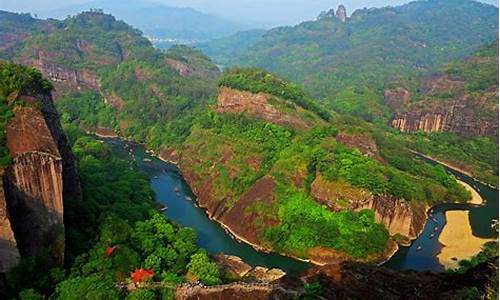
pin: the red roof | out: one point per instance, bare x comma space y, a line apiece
141, 275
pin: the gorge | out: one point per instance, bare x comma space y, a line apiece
165, 178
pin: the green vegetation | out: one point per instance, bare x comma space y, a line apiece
478, 155
306, 225
257, 81
489, 253
117, 213
16, 80
338, 61
141, 86
88, 110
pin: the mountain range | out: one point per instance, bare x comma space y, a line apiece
164, 24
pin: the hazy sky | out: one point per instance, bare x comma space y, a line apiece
273, 11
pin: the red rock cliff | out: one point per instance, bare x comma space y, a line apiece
41, 176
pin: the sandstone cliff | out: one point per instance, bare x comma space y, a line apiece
41, 176
464, 115
399, 216
462, 98
9, 253
266, 107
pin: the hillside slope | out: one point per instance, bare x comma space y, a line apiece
165, 23
99, 63
350, 62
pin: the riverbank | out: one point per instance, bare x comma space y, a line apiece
457, 239
454, 168
476, 198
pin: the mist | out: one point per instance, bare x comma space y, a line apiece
270, 12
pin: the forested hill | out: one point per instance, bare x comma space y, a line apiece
335, 59
99, 63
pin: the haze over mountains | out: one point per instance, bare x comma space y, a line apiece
164, 24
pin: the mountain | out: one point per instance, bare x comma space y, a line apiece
349, 63
264, 138
93, 57
224, 49
462, 98
164, 24
33, 145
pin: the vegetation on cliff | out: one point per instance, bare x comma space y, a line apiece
252, 150
16, 80
92, 56
350, 63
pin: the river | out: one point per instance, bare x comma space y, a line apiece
165, 178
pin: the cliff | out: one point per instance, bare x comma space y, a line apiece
9, 253
464, 115
266, 107
42, 174
462, 98
399, 216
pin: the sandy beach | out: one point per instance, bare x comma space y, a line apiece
476, 198
457, 239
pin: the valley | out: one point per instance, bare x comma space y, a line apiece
351, 150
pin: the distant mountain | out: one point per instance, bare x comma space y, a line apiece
349, 62
166, 24
225, 48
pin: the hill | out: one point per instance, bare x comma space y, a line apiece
349, 63
99, 63
166, 25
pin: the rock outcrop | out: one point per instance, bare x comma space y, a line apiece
464, 116
396, 98
341, 13
41, 176
397, 215
260, 106
9, 253
350, 280
235, 268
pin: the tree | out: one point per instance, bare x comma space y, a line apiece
204, 270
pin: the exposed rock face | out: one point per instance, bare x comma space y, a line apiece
257, 105
67, 79
446, 106
341, 13
463, 116
398, 216
42, 174
396, 98
360, 281
232, 266
351, 280
364, 143
9, 253
235, 268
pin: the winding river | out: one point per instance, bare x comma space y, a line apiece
165, 178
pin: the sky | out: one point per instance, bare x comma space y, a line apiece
283, 12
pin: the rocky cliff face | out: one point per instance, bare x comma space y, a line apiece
9, 253
465, 116
396, 98
263, 106
398, 215
341, 13
41, 176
